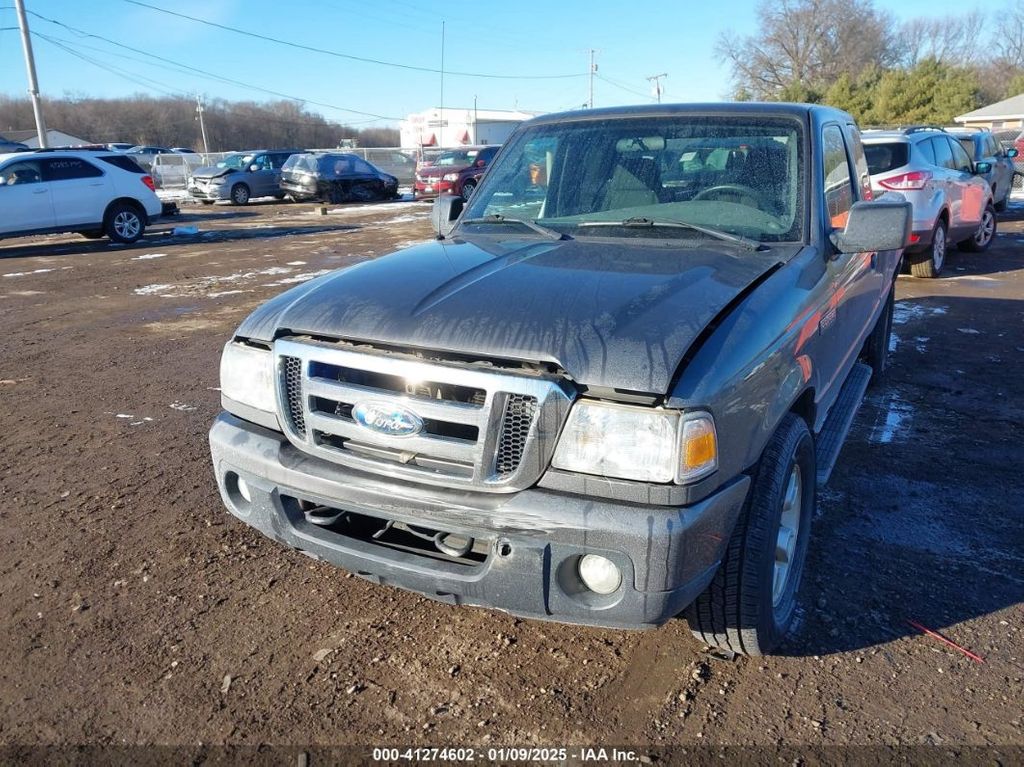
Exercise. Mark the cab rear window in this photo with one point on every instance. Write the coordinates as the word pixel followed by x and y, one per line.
pixel 885 157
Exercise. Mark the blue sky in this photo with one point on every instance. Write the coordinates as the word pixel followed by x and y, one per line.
pixel 521 38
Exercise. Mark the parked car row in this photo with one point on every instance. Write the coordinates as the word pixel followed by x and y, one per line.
pixel 955 191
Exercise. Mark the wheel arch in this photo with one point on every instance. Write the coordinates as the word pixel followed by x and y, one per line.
pixel 139 207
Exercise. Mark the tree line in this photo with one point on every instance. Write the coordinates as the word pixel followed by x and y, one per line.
pixel 172 121
pixel 852 55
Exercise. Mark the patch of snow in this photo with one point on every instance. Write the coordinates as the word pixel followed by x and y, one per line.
pixel 296 263
pixel 303 277
pixel 226 293
pixel 894 341
pixel 179 231
pixel 921 343
pixel 182 407
pixel 904 311
pixel 148 256
pixel 970 331
pixel 149 290
pixel 898 413
pixel 25 274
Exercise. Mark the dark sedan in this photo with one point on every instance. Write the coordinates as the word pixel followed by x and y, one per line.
pixel 336 177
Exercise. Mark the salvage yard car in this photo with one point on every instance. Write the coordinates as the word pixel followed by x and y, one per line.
pixel 455 171
pixel 45 191
pixel 596 398
pixel 335 177
pixel 240 177
pixel 952 201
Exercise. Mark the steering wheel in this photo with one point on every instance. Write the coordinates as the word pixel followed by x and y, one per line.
pixel 738 190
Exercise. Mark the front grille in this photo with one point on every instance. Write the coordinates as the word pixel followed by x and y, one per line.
pixel 515 429
pixel 291 370
pixel 472 426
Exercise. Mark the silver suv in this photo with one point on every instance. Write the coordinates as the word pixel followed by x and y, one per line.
pixel 952 201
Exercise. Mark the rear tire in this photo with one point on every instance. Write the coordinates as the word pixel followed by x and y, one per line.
pixel 124 223
pixel 876 348
pixel 750 603
pixel 929 265
pixel 982 239
pixel 239 194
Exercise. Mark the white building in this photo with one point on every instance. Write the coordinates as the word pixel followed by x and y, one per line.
pixel 455 127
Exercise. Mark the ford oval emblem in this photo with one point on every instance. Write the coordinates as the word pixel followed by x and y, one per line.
pixel 384 418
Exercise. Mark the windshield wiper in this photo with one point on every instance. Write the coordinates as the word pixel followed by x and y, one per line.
pixel 643 221
pixel 497 218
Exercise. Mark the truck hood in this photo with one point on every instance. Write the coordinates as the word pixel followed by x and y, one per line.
pixel 611 314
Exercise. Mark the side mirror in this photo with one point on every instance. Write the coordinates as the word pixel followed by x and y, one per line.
pixel 444 214
pixel 874 226
pixel 1011 153
pixel 254 167
pixel 981 168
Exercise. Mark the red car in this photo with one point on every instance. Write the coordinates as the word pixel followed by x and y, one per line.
pixel 455 171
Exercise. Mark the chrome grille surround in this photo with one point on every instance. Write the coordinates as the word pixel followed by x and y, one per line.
pixel 516 425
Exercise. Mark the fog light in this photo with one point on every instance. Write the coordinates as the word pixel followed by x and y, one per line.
pixel 243 490
pixel 599 574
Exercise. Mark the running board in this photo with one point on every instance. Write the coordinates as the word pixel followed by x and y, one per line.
pixel 840 418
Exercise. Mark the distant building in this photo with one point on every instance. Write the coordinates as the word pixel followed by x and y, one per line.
pixel 53 137
pixel 1008 113
pixel 456 127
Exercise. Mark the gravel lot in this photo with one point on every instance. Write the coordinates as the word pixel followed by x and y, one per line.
pixel 136 610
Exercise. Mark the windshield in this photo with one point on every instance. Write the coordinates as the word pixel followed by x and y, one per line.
pixel 235 161
pixel 741 175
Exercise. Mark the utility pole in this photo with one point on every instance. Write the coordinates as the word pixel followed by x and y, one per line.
pixel 202 123
pixel 655 81
pixel 593 69
pixel 30 65
pixel 440 119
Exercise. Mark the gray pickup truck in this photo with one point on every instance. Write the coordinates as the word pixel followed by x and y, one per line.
pixel 607 392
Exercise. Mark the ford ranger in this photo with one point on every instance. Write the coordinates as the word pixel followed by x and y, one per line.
pixel 605 394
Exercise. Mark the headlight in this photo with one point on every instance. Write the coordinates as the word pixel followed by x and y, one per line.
pixel 247 376
pixel 450 177
pixel 637 443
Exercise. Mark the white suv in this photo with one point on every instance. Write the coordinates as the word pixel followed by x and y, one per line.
pixel 89 192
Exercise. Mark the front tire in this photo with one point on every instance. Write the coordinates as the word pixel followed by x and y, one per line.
pixel 750 603
pixel 467 189
pixel 124 223
pixel 929 265
pixel 986 233
pixel 239 194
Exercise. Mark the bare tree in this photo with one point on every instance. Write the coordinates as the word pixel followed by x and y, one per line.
pixel 954 39
pixel 1008 39
pixel 802 46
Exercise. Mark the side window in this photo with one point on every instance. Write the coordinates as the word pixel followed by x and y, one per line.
pixel 362 167
pixel 66 168
pixel 994 150
pixel 943 152
pixel 277 161
pixel 961 160
pixel 22 173
pixel 860 163
pixel 261 161
pixel 926 151
pixel 839 193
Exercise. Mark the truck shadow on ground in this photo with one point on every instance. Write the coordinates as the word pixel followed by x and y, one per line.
pixel 921 520
pixel 165 239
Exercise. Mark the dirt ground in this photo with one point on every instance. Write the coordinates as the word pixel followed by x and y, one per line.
pixel 135 609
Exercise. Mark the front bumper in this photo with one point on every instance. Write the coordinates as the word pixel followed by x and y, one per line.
pixel 222 192
pixel 432 188
pixel 667 555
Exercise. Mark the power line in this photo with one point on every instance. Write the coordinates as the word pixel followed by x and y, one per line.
pixel 211 75
pixel 622 87
pixel 339 55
